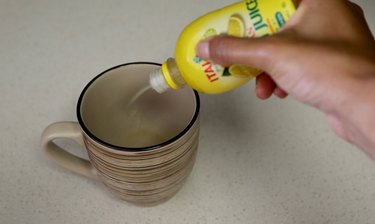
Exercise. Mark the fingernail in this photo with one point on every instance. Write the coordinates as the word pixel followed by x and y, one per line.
pixel 203 50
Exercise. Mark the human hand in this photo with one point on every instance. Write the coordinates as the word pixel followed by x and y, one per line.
pixel 324 56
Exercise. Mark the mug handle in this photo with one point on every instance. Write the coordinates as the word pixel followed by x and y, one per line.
pixel 66 130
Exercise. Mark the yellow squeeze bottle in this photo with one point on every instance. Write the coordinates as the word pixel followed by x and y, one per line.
pixel 248 18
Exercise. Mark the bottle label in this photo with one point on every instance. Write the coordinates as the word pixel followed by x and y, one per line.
pixel 247 19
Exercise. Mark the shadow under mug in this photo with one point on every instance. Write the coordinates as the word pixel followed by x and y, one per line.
pixel 140 144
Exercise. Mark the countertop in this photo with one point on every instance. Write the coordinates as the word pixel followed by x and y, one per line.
pixel 272 161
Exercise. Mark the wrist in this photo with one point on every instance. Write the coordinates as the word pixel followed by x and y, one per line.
pixel 357 114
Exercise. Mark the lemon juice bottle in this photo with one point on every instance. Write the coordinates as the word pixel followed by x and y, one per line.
pixel 247 19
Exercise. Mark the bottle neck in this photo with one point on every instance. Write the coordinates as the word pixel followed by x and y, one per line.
pixel 158 82
pixel 173 72
pixel 167 77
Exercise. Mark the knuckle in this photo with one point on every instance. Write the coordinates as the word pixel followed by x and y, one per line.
pixel 356 7
pixel 220 49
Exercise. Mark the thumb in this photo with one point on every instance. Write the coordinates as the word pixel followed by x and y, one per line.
pixel 227 50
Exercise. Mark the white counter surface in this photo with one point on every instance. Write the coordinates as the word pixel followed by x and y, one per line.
pixel 259 161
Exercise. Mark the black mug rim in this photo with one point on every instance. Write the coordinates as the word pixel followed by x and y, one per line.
pixel 132 149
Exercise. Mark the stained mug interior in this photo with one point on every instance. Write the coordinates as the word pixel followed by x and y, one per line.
pixel 123 125
pixel 119 109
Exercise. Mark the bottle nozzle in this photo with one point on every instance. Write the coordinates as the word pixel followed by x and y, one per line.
pixel 167 77
pixel 158 82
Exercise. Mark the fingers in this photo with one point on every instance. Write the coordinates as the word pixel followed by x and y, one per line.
pixel 225 50
pixel 265 87
pixel 280 93
pixel 256 52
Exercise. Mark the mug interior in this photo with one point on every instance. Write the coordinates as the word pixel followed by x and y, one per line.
pixel 119 109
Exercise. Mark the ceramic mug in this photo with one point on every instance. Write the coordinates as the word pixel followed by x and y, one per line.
pixel 140 144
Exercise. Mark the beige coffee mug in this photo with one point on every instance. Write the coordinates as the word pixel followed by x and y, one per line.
pixel 141 144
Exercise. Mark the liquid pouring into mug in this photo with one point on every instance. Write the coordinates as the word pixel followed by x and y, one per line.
pixel 138 133
pixel 138 94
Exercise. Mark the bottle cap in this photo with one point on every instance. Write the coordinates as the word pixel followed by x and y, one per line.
pixel 158 82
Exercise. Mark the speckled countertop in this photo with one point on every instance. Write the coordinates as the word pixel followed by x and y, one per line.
pixel 259 161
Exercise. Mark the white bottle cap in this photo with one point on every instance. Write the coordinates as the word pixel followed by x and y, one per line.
pixel 158 82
